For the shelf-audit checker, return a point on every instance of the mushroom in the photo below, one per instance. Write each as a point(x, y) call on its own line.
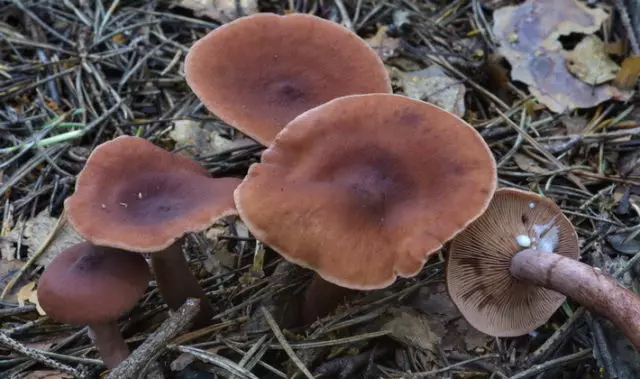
point(94, 286)
point(259, 72)
point(365, 188)
point(513, 267)
point(138, 197)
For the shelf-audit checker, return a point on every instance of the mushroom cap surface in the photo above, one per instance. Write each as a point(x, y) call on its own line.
point(259, 72)
point(365, 188)
point(136, 196)
point(88, 284)
point(478, 266)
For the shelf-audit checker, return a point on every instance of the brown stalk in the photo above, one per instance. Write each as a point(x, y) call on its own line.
point(109, 342)
point(585, 284)
point(176, 282)
point(321, 298)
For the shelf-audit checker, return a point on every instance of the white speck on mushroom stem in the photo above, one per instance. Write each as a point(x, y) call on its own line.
point(103, 206)
point(139, 195)
point(124, 204)
point(523, 241)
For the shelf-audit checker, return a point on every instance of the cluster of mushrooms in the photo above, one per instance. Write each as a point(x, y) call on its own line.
point(357, 184)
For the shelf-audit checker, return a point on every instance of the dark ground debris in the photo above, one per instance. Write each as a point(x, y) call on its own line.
point(74, 74)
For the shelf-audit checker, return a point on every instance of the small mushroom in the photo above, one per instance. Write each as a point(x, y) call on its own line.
point(94, 286)
point(138, 197)
point(365, 188)
point(259, 72)
point(513, 267)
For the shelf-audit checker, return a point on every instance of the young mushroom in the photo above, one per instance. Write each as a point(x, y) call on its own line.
point(361, 190)
point(259, 72)
point(513, 267)
point(94, 286)
point(138, 197)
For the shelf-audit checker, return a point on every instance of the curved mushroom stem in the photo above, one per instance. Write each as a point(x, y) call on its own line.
point(109, 342)
point(321, 298)
point(583, 283)
point(176, 282)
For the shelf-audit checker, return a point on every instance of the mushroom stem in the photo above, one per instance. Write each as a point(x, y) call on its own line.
point(109, 342)
point(583, 283)
point(176, 282)
point(321, 298)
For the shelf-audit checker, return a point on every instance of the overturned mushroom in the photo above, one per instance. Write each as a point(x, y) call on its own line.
point(259, 72)
point(362, 190)
point(94, 286)
point(135, 196)
point(513, 267)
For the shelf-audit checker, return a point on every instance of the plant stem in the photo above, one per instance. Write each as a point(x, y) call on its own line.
point(109, 342)
point(583, 283)
point(321, 298)
point(176, 283)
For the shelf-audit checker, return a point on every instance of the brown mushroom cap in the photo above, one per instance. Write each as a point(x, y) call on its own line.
point(136, 196)
point(365, 187)
point(259, 72)
point(89, 284)
point(478, 267)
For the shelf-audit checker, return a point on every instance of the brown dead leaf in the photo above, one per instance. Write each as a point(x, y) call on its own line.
point(528, 35)
point(196, 139)
point(46, 374)
point(383, 45)
point(413, 329)
point(528, 164)
point(628, 75)
point(446, 321)
point(220, 10)
point(29, 293)
point(590, 63)
point(39, 229)
point(435, 86)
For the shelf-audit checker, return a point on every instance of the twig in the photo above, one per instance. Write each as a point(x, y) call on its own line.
point(563, 361)
point(177, 322)
point(626, 22)
point(558, 336)
point(217, 360)
point(38, 356)
point(283, 342)
point(453, 366)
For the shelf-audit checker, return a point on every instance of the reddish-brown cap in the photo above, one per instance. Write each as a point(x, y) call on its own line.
point(259, 72)
point(365, 187)
point(136, 196)
point(88, 284)
point(478, 266)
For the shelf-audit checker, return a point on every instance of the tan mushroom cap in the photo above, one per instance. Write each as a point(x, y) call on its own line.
point(478, 266)
point(364, 188)
point(259, 72)
point(136, 196)
point(89, 284)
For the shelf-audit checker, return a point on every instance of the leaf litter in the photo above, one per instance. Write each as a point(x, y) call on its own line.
point(583, 160)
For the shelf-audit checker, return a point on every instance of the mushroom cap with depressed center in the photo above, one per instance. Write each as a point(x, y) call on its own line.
point(136, 196)
point(364, 188)
point(259, 72)
point(478, 266)
point(89, 284)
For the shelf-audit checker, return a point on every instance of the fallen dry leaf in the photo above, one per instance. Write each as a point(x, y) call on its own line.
point(8, 268)
point(413, 329)
point(528, 35)
point(590, 63)
point(34, 235)
point(196, 139)
point(29, 293)
point(528, 164)
point(628, 75)
point(384, 45)
point(433, 85)
point(220, 10)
